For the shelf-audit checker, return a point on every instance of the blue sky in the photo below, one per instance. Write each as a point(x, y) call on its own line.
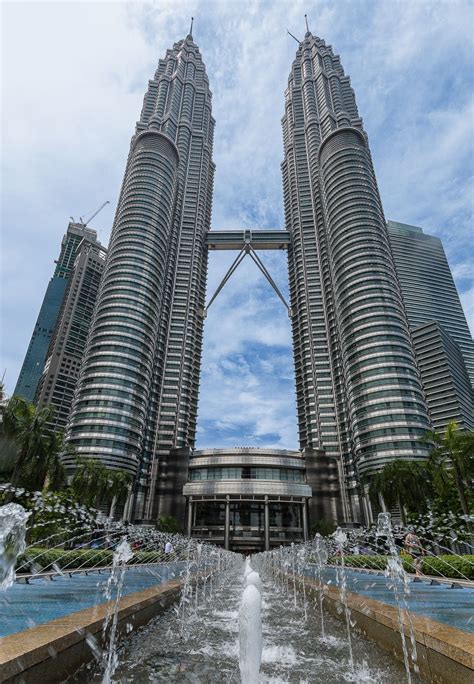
point(73, 79)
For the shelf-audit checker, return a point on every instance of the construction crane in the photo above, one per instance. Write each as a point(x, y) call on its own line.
point(94, 214)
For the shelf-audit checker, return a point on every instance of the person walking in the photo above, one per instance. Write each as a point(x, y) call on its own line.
point(415, 549)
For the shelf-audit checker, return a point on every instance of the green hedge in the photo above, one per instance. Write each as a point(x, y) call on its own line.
point(457, 567)
point(361, 561)
point(84, 558)
point(45, 559)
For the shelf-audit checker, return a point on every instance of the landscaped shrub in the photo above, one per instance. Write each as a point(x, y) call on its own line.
point(44, 559)
point(37, 559)
point(458, 567)
point(360, 561)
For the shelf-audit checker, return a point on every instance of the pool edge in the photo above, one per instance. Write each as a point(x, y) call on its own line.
point(445, 653)
point(53, 651)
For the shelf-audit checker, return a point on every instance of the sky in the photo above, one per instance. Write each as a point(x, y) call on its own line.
point(73, 80)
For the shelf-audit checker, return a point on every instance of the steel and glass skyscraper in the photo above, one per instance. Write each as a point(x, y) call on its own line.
point(444, 347)
point(136, 403)
point(63, 361)
point(428, 287)
point(33, 364)
point(359, 394)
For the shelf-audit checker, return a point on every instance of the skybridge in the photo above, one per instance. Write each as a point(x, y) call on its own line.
point(247, 242)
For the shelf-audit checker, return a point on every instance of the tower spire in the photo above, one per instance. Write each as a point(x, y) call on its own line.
point(306, 21)
point(191, 27)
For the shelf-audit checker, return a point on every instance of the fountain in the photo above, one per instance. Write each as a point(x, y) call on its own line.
point(340, 539)
point(13, 521)
point(399, 580)
point(197, 588)
point(250, 628)
point(320, 555)
point(122, 555)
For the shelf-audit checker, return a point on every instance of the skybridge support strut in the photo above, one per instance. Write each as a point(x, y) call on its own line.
point(248, 249)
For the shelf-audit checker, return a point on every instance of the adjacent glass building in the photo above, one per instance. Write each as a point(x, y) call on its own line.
point(33, 365)
point(428, 287)
point(443, 343)
point(66, 351)
point(444, 375)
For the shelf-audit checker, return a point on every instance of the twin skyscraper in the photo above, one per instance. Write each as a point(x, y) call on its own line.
point(360, 400)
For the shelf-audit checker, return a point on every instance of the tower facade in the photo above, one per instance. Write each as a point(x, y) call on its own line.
point(359, 395)
point(33, 365)
point(136, 403)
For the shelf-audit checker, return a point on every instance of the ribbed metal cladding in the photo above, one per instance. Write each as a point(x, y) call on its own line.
point(376, 350)
point(359, 395)
point(141, 371)
point(181, 100)
point(117, 372)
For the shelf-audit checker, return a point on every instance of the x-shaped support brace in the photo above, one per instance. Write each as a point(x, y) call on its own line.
point(248, 249)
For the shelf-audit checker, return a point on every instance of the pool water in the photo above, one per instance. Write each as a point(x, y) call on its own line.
point(452, 606)
point(293, 648)
point(26, 605)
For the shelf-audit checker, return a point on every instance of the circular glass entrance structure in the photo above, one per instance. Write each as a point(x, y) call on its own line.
point(247, 499)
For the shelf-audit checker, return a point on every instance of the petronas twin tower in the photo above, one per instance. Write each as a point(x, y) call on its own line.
point(359, 397)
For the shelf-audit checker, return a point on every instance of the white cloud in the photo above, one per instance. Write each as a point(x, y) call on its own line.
point(467, 301)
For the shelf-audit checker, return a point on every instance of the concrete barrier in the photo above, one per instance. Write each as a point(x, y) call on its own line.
point(55, 650)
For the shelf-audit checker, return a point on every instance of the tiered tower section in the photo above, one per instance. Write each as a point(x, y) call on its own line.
point(359, 395)
point(137, 397)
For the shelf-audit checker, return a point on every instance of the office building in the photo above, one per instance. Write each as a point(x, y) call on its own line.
point(35, 358)
point(428, 287)
point(444, 375)
point(443, 343)
point(359, 395)
point(66, 350)
point(141, 372)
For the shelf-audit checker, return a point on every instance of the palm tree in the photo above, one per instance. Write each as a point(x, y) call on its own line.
point(403, 484)
point(28, 426)
point(119, 485)
point(53, 475)
point(90, 483)
point(451, 460)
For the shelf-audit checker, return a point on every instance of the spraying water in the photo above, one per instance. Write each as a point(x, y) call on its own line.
point(250, 628)
point(254, 578)
point(13, 519)
point(340, 538)
point(122, 555)
point(398, 576)
point(320, 555)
